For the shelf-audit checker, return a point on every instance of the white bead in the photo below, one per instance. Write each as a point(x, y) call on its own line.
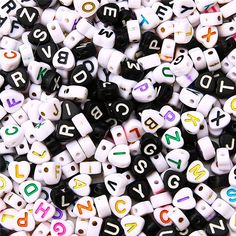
point(147, 18)
point(171, 117)
point(206, 148)
point(206, 104)
point(6, 183)
point(226, 65)
point(86, 8)
point(132, 225)
point(37, 70)
point(133, 29)
point(114, 62)
point(159, 162)
point(43, 210)
point(94, 226)
point(223, 208)
point(201, 6)
point(12, 135)
point(86, 28)
point(84, 208)
point(184, 199)
point(43, 130)
point(82, 125)
point(178, 159)
point(218, 119)
point(133, 130)
point(165, 29)
point(120, 206)
point(228, 9)
point(197, 173)
point(231, 177)
point(186, 80)
point(63, 158)
point(115, 184)
point(144, 91)
point(118, 135)
point(91, 168)
point(161, 215)
point(228, 195)
point(227, 29)
point(163, 74)
point(66, 226)
point(30, 190)
point(104, 38)
point(72, 39)
point(87, 146)
point(19, 171)
point(151, 120)
point(223, 159)
point(167, 50)
point(51, 173)
point(155, 182)
point(70, 169)
point(119, 156)
point(192, 121)
point(198, 58)
point(175, 214)
point(150, 61)
point(212, 59)
point(11, 100)
point(208, 36)
point(55, 31)
point(73, 92)
point(190, 97)
point(194, 18)
point(172, 138)
point(64, 59)
point(163, 12)
point(103, 150)
point(42, 228)
point(108, 169)
point(183, 8)
point(81, 227)
point(80, 184)
point(102, 206)
point(205, 210)
point(230, 106)
point(142, 208)
point(135, 3)
point(14, 200)
point(161, 199)
point(24, 220)
point(27, 54)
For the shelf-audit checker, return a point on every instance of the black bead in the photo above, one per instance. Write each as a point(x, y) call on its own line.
point(228, 141)
point(205, 83)
point(18, 79)
point(3, 164)
point(66, 131)
point(53, 145)
point(165, 92)
point(27, 16)
point(174, 181)
point(139, 190)
point(98, 189)
point(217, 227)
point(150, 43)
point(197, 221)
point(100, 130)
point(62, 196)
point(131, 70)
point(141, 167)
point(224, 47)
point(140, 107)
point(51, 81)
point(81, 76)
point(225, 88)
point(4, 232)
point(107, 91)
point(218, 181)
point(84, 50)
point(125, 15)
point(231, 127)
point(69, 109)
point(150, 145)
point(167, 231)
point(150, 227)
point(122, 39)
point(108, 13)
point(44, 3)
point(122, 109)
point(111, 227)
point(39, 35)
point(46, 52)
point(94, 111)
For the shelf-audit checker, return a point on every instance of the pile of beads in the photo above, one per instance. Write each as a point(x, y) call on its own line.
point(118, 117)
